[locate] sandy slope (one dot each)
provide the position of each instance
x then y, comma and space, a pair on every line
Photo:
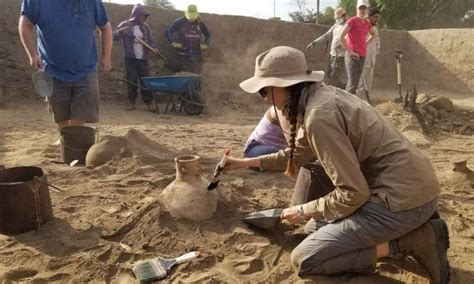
109, 217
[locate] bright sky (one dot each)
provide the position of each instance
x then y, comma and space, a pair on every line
252, 8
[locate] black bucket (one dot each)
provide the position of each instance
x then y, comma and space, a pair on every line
25, 204
75, 142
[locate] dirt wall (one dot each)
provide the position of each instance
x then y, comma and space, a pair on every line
439, 58
442, 58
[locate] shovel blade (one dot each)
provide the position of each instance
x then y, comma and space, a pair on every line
264, 219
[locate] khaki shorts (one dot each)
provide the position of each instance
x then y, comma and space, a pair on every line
76, 100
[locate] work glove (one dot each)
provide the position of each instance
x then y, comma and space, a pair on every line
310, 45
204, 46
176, 44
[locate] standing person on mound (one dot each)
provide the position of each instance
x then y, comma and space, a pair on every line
67, 52
136, 54
385, 189
357, 31
336, 70
189, 43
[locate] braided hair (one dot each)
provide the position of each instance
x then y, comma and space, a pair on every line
294, 115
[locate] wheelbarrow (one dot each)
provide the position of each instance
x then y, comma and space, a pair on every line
183, 92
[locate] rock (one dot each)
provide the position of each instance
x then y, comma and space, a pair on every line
104, 151
444, 127
429, 118
465, 130
442, 103
442, 113
423, 98
471, 124
432, 110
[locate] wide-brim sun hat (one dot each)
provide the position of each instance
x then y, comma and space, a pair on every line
281, 66
191, 12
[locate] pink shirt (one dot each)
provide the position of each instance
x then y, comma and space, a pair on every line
357, 35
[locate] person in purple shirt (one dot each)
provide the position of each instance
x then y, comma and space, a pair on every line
268, 136
136, 54
66, 50
189, 42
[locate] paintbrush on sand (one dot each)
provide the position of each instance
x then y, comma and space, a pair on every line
158, 268
217, 172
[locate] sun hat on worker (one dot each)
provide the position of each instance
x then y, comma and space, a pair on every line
363, 3
339, 12
191, 12
281, 66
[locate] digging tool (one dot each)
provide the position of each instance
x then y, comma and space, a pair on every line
264, 219
43, 84
217, 172
170, 64
158, 268
398, 56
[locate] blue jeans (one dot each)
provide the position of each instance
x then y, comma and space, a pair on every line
255, 149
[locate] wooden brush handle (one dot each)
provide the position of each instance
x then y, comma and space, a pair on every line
187, 257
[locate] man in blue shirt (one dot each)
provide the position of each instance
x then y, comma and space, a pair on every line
66, 50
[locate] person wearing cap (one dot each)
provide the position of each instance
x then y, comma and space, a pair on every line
189, 42
357, 31
336, 70
384, 190
136, 54
66, 50
373, 48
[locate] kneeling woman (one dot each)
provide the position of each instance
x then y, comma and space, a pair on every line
385, 189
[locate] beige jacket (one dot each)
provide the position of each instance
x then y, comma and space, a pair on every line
365, 156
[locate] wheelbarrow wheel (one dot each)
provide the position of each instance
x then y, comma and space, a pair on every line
194, 105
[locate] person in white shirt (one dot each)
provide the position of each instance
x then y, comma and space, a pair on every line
336, 74
373, 48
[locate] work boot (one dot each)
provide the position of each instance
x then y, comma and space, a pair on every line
428, 245
131, 106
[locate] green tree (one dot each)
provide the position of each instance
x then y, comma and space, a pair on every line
419, 14
305, 15
159, 3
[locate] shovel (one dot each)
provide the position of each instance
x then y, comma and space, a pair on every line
170, 64
264, 219
217, 172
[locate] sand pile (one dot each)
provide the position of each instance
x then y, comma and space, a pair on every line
134, 144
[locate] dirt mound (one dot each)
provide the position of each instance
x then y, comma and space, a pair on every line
442, 115
439, 113
132, 144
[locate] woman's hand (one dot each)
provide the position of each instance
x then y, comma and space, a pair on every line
235, 164
294, 214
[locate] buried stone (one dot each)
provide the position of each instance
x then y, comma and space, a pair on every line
187, 196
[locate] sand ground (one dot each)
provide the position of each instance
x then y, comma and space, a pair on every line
109, 217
